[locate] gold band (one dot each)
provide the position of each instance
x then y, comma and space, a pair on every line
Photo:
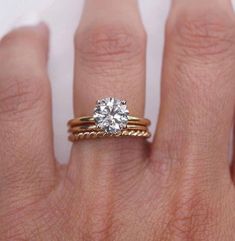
90, 120
85, 128
100, 134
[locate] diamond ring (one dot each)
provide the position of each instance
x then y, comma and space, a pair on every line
110, 119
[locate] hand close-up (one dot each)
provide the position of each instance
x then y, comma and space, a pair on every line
118, 185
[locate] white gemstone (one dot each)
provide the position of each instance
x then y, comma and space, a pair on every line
111, 115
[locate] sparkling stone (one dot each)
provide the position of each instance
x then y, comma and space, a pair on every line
111, 115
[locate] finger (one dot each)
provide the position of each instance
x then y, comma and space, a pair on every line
110, 62
26, 151
198, 89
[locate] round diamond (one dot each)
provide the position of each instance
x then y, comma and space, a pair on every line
111, 115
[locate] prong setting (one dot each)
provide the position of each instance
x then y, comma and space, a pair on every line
111, 115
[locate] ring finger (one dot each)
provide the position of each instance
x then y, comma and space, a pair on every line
109, 62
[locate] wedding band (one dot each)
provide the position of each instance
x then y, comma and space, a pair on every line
110, 119
101, 134
90, 120
84, 128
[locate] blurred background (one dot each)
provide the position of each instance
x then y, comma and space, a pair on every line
62, 16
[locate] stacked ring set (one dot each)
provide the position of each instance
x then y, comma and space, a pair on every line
110, 119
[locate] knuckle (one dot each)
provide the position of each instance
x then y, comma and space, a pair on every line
202, 35
20, 95
105, 44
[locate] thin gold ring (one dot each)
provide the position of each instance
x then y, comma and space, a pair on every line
91, 120
85, 128
101, 134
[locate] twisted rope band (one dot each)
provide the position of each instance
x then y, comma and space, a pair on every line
100, 134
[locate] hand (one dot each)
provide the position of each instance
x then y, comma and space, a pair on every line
179, 187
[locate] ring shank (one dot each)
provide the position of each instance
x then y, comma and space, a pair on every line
84, 128
90, 120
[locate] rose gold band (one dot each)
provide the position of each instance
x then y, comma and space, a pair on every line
100, 134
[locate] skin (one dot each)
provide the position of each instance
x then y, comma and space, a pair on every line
179, 187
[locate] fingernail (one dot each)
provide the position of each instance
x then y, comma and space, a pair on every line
31, 19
